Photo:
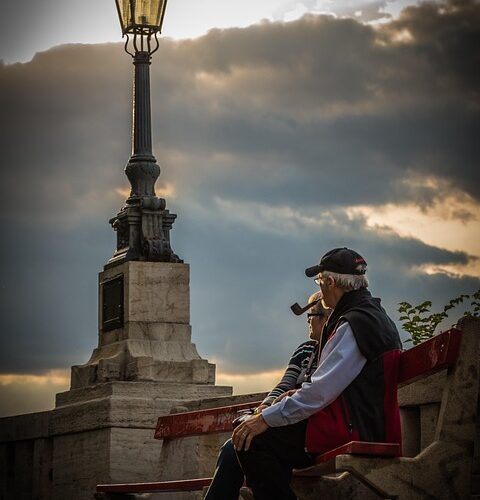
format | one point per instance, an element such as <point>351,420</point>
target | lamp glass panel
<point>125,13</point>
<point>149,12</point>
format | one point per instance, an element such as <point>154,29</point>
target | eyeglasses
<point>318,280</point>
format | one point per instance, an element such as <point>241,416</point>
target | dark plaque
<point>112,306</point>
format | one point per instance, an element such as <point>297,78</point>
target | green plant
<point>421,324</point>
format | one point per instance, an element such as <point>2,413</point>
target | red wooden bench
<point>438,353</point>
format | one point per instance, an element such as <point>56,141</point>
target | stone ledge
<point>116,404</point>
<point>126,389</point>
<point>207,403</point>
<point>23,427</point>
<point>424,391</point>
<point>152,331</point>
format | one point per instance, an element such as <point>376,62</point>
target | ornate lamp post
<point>143,224</point>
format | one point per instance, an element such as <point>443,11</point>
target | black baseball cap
<point>341,261</point>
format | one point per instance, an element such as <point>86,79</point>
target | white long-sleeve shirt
<point>340,363</point>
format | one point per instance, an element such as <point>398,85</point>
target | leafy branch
<point>421,324</point>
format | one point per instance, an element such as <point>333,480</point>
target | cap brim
<point>313,271</point>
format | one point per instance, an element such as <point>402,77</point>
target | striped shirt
<point>298,369</point>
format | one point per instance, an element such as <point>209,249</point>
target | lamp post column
<point>143,225</point>
<point>142,120</point>
<point>142,169</point>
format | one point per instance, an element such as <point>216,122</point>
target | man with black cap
<point>352,395</point>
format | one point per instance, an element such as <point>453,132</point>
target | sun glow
<point>451,223</point>
<point>166,190</point>
<point>55,377</point>
<point>249,383</point>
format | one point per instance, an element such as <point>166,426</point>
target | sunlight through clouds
<point>55,377</point>
<point>433,225</point>
<point>252,382</point>
<point>26,393</point>
<point>450,221</point>
<point>162,190</point>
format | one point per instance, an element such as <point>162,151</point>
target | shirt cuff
<point>273,416</point>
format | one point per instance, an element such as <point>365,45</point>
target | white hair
<point>347,282</point>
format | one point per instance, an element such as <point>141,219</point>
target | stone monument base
<point>98,434</point>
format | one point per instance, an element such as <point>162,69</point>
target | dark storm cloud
<point>334,101</point>
<point>312,115</point>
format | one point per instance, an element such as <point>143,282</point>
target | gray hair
<point>347,282</point>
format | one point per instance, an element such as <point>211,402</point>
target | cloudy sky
<point>291,128</point>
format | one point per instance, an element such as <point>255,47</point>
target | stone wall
<point>63,453</point>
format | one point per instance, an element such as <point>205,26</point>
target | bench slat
<point>325,463</point>
<point>361,448</point>
<point>184,485</point>
<point>433,355</point>
<point>195,423</point>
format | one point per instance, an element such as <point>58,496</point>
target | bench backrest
<point>436,354</point>
<point>194,423</point>
<point>431,356</point>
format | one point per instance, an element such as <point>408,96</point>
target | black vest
<point>369,397</point>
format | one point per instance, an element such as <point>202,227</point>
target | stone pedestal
<point>104,433</point>
<point>153,339</point>
<point>145,364</point>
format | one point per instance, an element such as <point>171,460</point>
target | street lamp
<point>143,224</point>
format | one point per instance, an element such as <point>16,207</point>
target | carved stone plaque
<point>112,303</point>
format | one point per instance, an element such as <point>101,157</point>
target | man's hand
<point>245,432</point>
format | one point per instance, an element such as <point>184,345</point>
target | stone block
<point>83,376</point>
<point>42,469</point>
<point>151,331</point>
<point>144,360</point>
<point>154,344</point>
<point>410,421</point>
<point>23,470</point>
<point>162,350</point>
<point>80,461</point>
<point>123,404</point>
<point>134,455</point>
<point>146,368</point>
<point>153,291</point>
<point>145,390</point>
<point>109,369</point>
<point>424,391</point>
<point>428,423</point>
<point>334,487</point>
<point>158,292</point>
<point>190,457</point>
<point>25,427</point>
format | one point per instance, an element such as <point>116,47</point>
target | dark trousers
<point>228,477</point>
<point>269,462</point>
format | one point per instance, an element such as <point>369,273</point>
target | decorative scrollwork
<point>121,228</point>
